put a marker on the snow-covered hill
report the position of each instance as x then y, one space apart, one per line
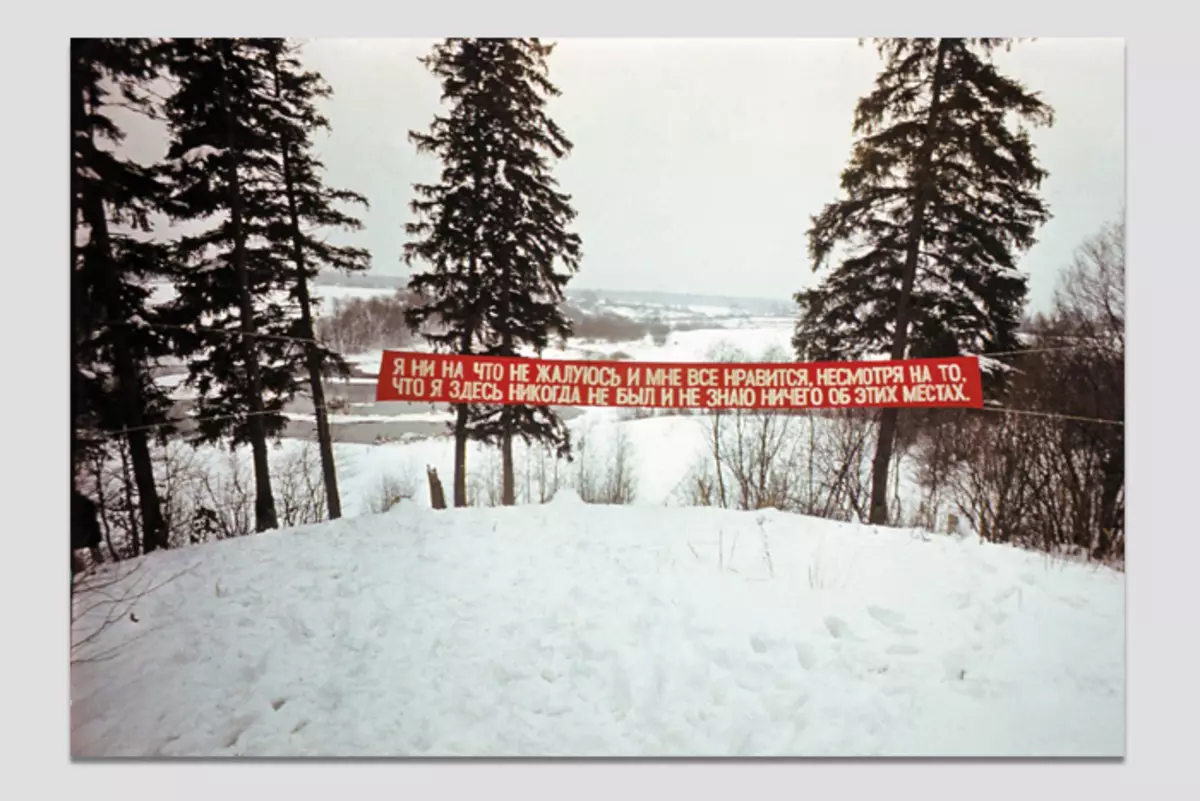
576 630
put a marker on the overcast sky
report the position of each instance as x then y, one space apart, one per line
698 163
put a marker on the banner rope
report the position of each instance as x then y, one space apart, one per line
1053 415
114 433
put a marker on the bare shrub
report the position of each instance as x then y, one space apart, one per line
610 327
600 473
390 490
619 485
485 478
546 474
228 497
841 464
699 485
813 462
584 478
205 494
360 324
1054 482
299 487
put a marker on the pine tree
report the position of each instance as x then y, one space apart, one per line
448 300
310 208
113 341
494 229
527 238
940 199
234 296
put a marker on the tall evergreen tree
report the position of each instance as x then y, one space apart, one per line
311 207
112 199
447 299
940 198
528 239
234 296
494 229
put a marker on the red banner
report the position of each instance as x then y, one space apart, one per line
445 378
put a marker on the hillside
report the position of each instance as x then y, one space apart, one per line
576 630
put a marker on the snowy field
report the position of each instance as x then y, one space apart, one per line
754 339
573 630
565 629
327 293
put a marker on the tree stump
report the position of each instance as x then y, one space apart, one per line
437 496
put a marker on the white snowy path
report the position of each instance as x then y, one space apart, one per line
573 630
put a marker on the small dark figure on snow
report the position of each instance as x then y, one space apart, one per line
85 528
204 526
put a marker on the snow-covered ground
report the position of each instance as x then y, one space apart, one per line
162 292
573 630
579 630
753 340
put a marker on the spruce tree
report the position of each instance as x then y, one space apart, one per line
448 299
495 229
113 338
940 198
234 295
528 239
311 207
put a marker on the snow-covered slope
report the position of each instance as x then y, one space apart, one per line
574 630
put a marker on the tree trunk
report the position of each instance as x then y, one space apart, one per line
139 544
129 378
509 494
460 457
716 428
101 515
460 424
264 500
916 230
311 357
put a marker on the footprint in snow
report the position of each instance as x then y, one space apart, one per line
758 644
806 655
240 726
837 627
887 617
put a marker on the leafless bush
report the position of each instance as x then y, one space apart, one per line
485 479
544 473
598 473
204 494
619 485
228 496
390 490
538 472
359 324
609 327
1054 482
584 478
841 464
811 462
300 487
